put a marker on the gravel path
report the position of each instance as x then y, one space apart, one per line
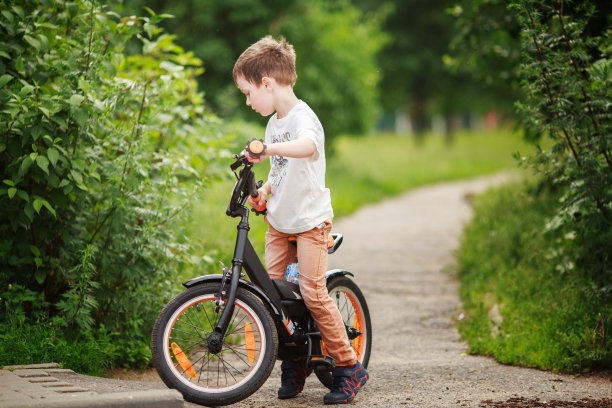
401 252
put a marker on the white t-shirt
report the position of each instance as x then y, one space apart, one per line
299 201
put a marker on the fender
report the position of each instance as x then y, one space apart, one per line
337 272
241 283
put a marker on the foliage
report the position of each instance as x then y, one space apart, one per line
96 148
567 79
24 342
549 321
336 48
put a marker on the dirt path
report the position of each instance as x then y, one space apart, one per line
400 252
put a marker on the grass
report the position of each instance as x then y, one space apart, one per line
368 169
24 342
362 170
552 320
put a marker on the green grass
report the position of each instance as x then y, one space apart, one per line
362 170
552 320
43 342
368 169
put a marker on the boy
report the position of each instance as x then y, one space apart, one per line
299 205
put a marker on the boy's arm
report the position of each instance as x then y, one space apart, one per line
295 148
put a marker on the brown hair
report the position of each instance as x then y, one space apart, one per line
267 57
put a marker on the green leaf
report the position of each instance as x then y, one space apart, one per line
32 41
25 166
49 207
37 204
76 99
76 176
5 79
43 163
53 155
23 195
8 182
40 275
11 192
84 84
29 211
35 250
8 15
19 65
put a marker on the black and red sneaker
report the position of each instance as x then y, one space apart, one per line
293 377
347 382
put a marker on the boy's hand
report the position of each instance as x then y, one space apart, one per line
255 151
261 199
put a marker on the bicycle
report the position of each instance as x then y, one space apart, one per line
217 341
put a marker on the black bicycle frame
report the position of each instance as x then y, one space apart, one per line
246 257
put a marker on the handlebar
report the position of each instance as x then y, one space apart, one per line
245 186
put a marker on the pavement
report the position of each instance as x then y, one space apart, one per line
50 386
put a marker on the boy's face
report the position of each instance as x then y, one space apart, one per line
259 97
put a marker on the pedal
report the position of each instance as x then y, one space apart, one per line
322 363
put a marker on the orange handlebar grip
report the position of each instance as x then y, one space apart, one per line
256 200
256 148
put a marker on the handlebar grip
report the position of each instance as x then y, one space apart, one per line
258 209
256 147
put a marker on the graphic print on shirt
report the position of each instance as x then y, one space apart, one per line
278 168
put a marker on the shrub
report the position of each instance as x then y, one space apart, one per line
99 152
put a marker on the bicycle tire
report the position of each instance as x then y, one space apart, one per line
181 356
355 314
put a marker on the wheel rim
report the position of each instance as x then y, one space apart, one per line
187 355
352 315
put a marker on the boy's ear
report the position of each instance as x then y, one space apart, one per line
267 82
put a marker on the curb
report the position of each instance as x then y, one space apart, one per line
33 386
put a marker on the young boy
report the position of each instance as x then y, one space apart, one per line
299 204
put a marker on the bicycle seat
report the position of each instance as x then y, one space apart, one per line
333 244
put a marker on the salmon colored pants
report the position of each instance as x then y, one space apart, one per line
312 265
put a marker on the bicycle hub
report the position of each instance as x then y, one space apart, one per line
215 342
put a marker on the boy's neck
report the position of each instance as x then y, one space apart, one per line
285 101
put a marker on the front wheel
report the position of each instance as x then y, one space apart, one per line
183 361
356 316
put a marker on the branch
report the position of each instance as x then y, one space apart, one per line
587 100
91 22
548 90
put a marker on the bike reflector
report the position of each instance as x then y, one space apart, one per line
183 360
249 340
357 340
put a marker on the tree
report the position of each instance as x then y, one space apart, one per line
336 49
566 73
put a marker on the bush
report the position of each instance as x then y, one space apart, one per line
552 318
99 153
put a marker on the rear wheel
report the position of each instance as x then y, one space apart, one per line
182 358
356 316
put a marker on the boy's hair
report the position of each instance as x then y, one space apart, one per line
267 57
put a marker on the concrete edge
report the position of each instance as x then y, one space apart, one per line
136 399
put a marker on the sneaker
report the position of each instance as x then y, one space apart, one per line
347 382
293 377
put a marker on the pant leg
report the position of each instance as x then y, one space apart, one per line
312 261
279 253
